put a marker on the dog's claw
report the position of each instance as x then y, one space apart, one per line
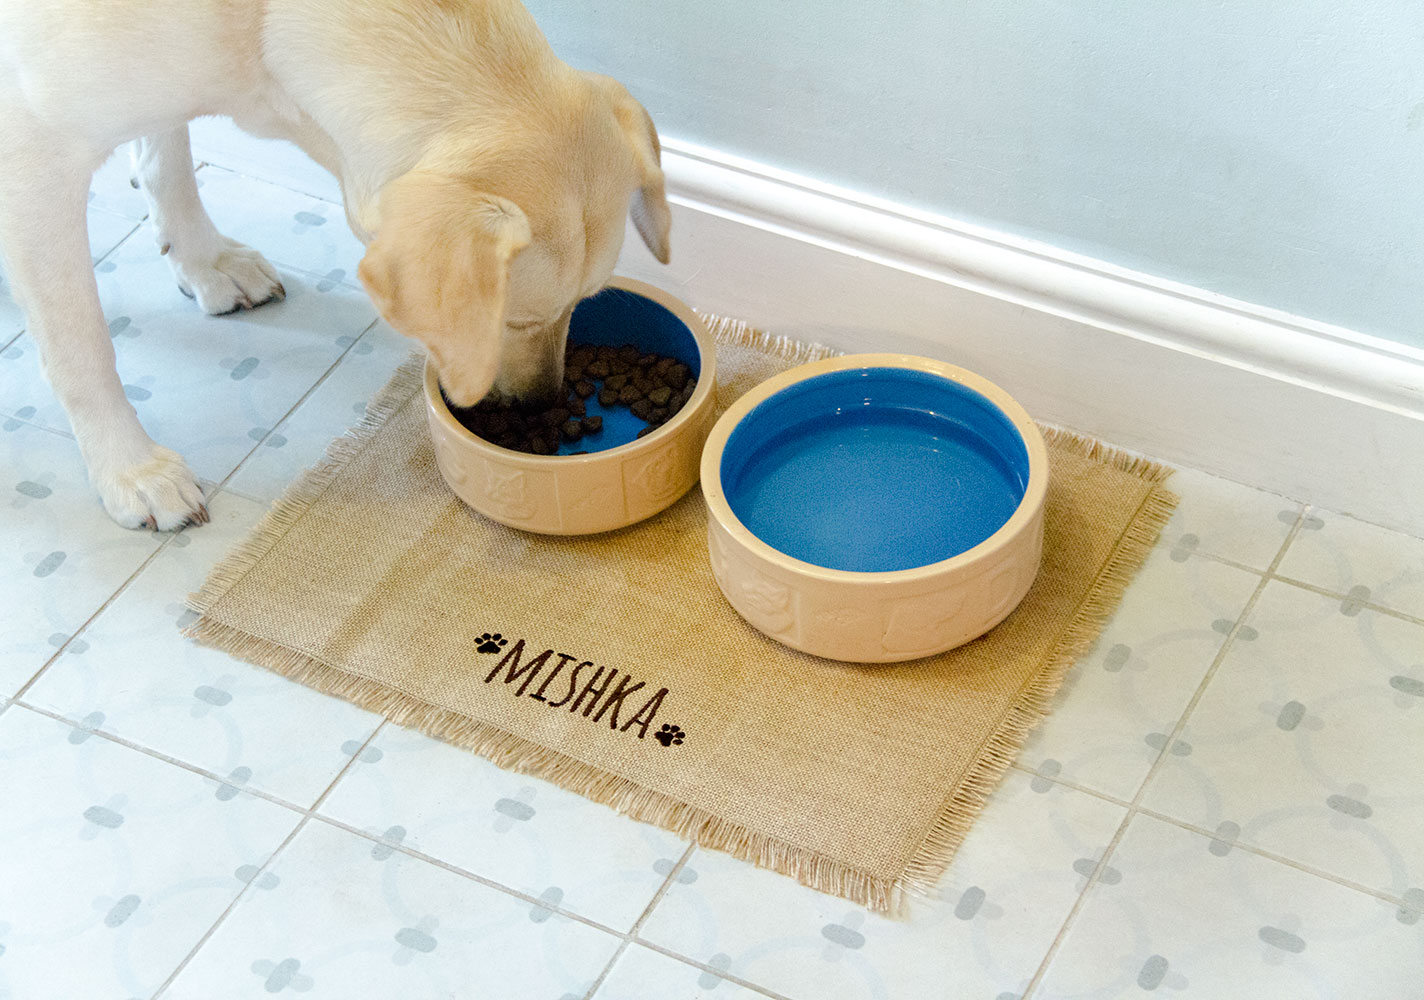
197 518
159 493
237 278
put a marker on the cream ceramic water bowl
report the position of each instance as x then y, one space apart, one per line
876 507
623 479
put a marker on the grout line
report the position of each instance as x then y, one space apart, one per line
1211 835
159 755
301 823
1336 595
38 426
727 976
638 924
237 172
1162 754
1274 574
126 237
455 869
1211 557
207 935
222 483
97 612
1104 796
1278 858
229 491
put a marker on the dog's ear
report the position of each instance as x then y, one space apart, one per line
649 210
438 271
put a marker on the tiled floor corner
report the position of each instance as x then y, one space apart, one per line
1115 711
994 915
1184 915
132 674
1367 564
115 862
445 802
336 916
1307 742
1223 802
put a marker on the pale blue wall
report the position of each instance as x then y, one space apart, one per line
1271 150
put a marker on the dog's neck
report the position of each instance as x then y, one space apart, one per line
383 86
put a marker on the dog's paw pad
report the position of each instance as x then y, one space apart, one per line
669 736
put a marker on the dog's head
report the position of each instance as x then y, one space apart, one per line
482 251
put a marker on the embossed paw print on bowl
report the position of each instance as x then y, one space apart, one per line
875 508
622 479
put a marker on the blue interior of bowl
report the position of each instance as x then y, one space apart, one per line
874 469
612 318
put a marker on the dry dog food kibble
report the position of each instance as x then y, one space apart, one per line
653 388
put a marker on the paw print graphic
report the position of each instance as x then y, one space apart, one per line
491 643
669 736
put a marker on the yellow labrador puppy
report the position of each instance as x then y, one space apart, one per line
488 179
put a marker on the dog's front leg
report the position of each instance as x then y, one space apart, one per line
42 230
221 274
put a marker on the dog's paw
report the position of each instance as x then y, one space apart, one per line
160 493
237 278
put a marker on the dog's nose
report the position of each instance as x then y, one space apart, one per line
536 403
542 393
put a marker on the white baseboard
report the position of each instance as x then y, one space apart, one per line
1301 408
1297 407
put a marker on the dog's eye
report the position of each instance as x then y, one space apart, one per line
531 324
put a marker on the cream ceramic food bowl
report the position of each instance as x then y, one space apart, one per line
876 507
611 488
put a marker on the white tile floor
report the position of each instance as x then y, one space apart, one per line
1225 802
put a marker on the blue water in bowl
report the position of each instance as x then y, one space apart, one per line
874 469
612 318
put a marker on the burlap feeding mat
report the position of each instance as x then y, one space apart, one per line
612 665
